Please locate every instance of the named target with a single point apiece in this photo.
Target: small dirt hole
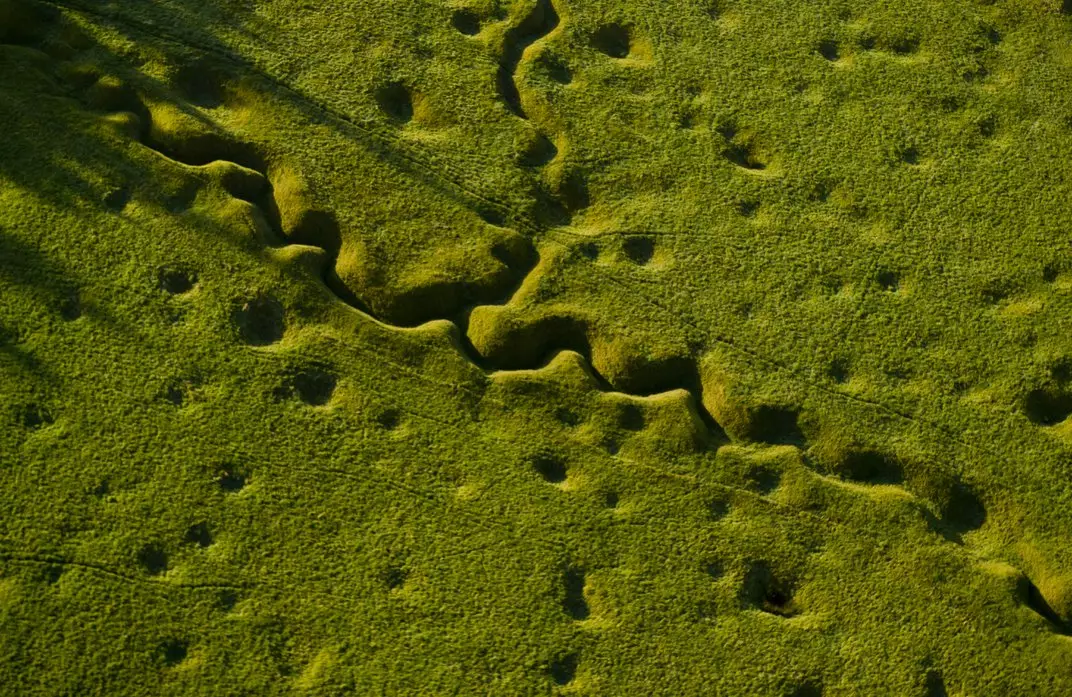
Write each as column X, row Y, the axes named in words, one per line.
column 491, row 217
column 388, row 419
column 762, row 590
column 838, row 370
column 776, row 425
column 717, row 509
column 395, row 577
column 631, row 417
column 763, row 480
column 53, row 573
column 639, row 250
column 808, row 689
column 613, row 39
column 227, row 599
column 538, row 152
column 174, row 395
column 575, row 604
column 396, row 101
column 173, row 651
column 153, row 559
column 557, row 70
column 744, row 156
column 567, row 417
column 872, row 467
column 563, row 669
column 202, row 84
column 589, row 250
column 905, row 45
column 70, row 308
column 260, row 321
column 1048, row 406
column 467, row 22
column 313, row 385
column 116, row 199
column 910, row 156
column 965, row 510
column 36, row 416
column 935, row 685
column 888, row 280
column 176, row 281
column 829, row 50
column 550, row 467
column 199, row 535
column 231, row 479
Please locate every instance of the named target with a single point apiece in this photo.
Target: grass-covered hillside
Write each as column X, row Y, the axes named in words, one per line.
column 536, row 347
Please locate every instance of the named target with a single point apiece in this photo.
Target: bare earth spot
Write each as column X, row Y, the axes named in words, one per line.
column 829, row 50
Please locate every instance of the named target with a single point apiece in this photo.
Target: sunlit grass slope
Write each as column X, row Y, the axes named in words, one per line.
column 579, row 347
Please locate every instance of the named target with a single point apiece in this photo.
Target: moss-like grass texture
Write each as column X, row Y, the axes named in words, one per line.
column 579, row 347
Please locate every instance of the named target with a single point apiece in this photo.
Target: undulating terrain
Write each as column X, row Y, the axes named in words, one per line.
column 536, row 347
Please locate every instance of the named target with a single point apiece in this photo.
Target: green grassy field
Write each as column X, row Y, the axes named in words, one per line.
column 536, row 347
